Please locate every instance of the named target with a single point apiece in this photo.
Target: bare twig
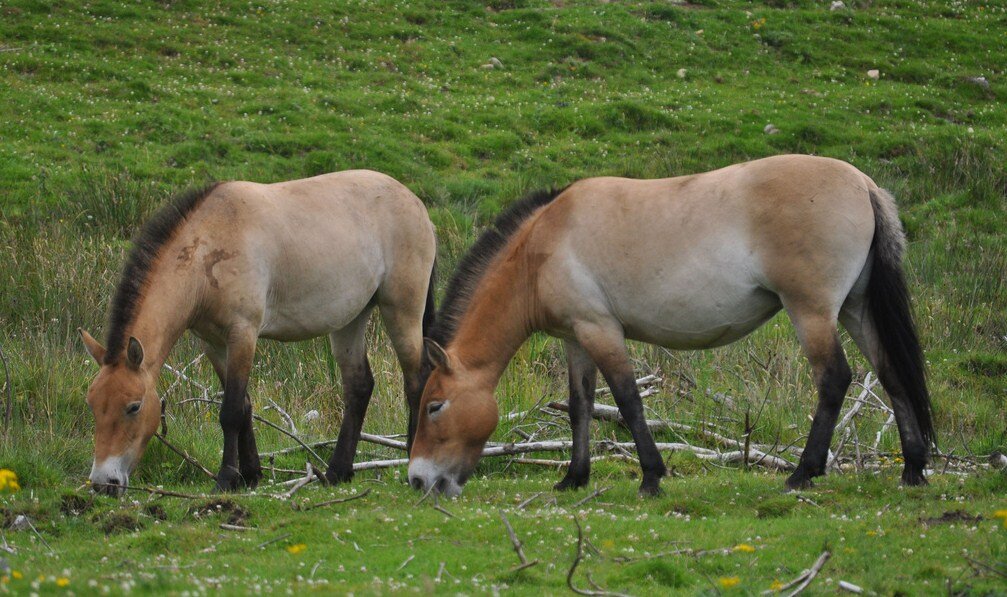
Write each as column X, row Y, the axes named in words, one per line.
column 9, row 406
column 442, row 510
column 271, row 424
column 804, row 579
column 363, row 493
column 404, row 564
column 525, row 503
column 185, row 456
column 235, row 527
column 272, row 541
column 163, row 492
column 517, row 545
column 597, row 592
column 589, row 497
column 283, row 413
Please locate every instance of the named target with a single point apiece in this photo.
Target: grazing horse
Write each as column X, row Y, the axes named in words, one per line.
column 238, row 261
column 686, row 263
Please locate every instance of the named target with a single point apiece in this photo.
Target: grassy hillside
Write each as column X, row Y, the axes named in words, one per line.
column 108, row 109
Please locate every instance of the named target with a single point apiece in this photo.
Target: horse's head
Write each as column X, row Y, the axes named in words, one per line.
column 457, row 415
column 123, row 399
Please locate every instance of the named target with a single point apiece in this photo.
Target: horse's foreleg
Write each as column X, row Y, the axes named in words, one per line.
column 583, row 374
column 236, row 414
column 404, row 323
column 820, row 341
column 349, row 348
column 606, row 346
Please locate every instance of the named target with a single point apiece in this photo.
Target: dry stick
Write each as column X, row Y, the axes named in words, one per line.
column 573, row 568
column 235, row 527
column 590, row 497
column 517, row 545
column 403, row 564
column 271, row 424
column 335, row 501
column 185, row 456
column 805, row 578
column 273, row 540
column 166, row 493
column 525, row 503
column 9, row 408
column 283, row 413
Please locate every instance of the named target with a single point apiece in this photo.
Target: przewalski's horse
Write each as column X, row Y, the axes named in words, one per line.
column 686, row 263
column 238, row 261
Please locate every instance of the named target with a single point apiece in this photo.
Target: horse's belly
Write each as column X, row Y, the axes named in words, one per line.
column 697, row 316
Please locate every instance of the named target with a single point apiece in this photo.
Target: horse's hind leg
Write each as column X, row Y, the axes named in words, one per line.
column 236, row 413
column 583, row 374
column 403, row 319
column 349, row 347
column 820, row 341
column 605, row 343
column 857, row 321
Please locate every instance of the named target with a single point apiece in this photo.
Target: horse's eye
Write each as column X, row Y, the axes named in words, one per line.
column 434, row 407
column 133, row 408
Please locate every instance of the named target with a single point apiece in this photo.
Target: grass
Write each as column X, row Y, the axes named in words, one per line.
column 111, row 108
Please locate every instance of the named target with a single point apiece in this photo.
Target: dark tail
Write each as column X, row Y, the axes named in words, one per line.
column 889, row 304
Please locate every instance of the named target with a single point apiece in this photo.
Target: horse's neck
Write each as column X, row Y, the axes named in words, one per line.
column 497, row 321
column 163, row 315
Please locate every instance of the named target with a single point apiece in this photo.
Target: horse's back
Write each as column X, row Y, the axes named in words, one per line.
column 311, row 254
column 702, row 260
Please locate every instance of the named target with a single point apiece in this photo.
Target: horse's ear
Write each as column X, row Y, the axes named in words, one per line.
column 438, row 356
column 134, row 353
column 96, row 350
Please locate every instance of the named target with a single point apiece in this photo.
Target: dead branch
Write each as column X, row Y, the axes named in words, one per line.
column 235, row 527
column 185, row 456
column 597, row 592
column 590, row 497
column 163, row 492
column 272, row 541
column 362, row 494
column 283, row 413
column 517, row 545
column 525, row 503
column 804, row 579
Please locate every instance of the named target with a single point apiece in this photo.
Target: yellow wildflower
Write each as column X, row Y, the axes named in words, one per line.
column 744, row 547
column 608, row 544
column 776, row 586
column 297, row 548
column 1000, row 514
column 8, row 481
column 62, row 581
column 872, row 533
column 727, row 582
column 16, row 574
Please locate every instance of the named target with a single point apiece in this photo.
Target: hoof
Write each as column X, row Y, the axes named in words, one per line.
column 228, row 479
column 335, row 476
column 797, row 482
column 570, row 483
column 913, row 478
column 650, row 488
column 250, row 478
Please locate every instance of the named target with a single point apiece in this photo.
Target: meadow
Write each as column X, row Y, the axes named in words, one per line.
column 108, row 109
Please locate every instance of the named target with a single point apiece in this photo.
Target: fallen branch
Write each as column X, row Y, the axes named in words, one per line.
column 283, row 413
column 598, row 591
column 235, row 527
column 517, row 545
column 185, row 456
column 805, row 578
column 306, row 507
column 590, row 497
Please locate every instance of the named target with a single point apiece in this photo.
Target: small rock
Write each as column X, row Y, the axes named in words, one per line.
column 21, row 523
column 770, row 129
column 496, row 63
column 874, row 74
column 312, row 415
column 487, row 66
column 837, row 5
column 980, row 81
column 681, row 73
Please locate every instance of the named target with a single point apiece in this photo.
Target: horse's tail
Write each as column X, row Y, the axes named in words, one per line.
column 889, row 303
column 430, row 311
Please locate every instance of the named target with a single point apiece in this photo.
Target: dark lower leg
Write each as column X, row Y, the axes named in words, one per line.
column 582, row 376
column 248, row 453
column 914, row 450
column 627, row 398
column 358, row 383
column 834, row 377
column 414, row 391
column 233, row 412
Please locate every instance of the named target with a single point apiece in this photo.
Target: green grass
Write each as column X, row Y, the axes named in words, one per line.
column 111, row 108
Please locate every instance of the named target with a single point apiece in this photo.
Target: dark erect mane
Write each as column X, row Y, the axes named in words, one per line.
column 473, row 265
column 146, row 245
